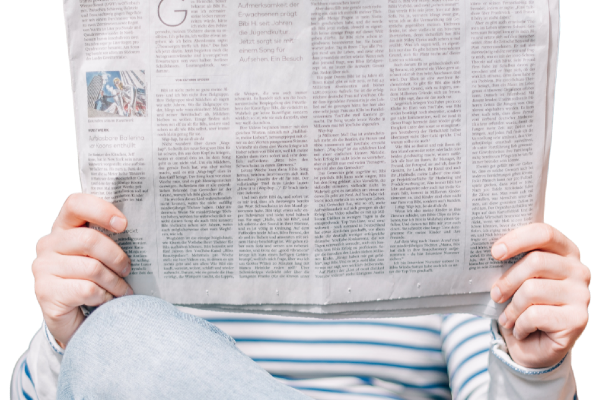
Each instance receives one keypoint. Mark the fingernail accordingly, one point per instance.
(118, 224)
(502, 319)
(516, 335)
(108, 297)
(128, 292)
(496, 294)
(499, 251)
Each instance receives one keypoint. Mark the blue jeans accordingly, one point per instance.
(140, 347)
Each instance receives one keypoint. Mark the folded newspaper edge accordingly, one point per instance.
(475, 303)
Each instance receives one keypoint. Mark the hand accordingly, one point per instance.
(550, 295)
(76, 265)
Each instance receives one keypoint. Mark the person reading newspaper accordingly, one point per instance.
(329, 159)
(142, 347)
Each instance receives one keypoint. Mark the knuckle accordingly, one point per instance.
(95, 269)
(576, 251)
(571, 293)
(532, 314)
(40, 293)
(71, 202)
(528, 289)
(547, 234)
(72, 198)
(586, 274)
(87, 289)
(41, 245)
(87, 238)
(37, 266)
(537, 260)
(121, 258)
(580, 319)
(587, 297)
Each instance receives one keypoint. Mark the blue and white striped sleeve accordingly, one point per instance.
(480, 368)
(466, 345)
(35, 376)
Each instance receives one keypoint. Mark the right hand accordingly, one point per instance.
(77, 265)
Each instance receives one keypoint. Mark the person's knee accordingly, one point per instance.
(141, 319)
(121, 315)
(140, 337)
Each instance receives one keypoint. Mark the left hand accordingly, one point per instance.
(550, 295)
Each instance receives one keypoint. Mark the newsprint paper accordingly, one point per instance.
(329, 158)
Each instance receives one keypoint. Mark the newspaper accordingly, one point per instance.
(329, 158)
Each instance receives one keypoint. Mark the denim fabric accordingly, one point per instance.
(140, 347)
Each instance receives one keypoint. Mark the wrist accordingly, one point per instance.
(51, 340)
(509, 380)
(61, 344)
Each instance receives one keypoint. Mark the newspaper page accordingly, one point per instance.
(330, 158)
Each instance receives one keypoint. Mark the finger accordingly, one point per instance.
(550, 319)
(541, 292)
(77, 292)
(86, 268)
(534, 265)
(80, 209)
(538, 350)
(533, 237)
(91, 243)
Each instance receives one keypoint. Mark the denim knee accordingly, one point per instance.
(142, 347)
(139, 317)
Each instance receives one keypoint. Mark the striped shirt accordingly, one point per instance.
(427, 357)
(397, 358)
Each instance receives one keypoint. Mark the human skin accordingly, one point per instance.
(77, 265)
(550, 294)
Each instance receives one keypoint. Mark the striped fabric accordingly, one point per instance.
(22, 381)
(466, 343)
(420, 358)
(402, 358)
